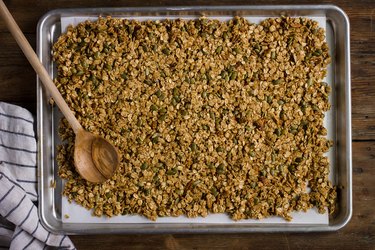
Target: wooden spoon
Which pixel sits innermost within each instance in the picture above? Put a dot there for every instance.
(95, 158)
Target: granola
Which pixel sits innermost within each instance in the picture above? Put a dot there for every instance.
(209, 116)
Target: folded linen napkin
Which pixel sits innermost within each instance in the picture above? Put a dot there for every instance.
(20, 227)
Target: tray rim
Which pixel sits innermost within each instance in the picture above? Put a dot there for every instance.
(173, 228)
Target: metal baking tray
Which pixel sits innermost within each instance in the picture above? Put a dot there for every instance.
(337, 28)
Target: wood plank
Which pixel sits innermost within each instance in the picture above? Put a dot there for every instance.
(363, 73)
(11, 54)
(363, 110)
(358, 234)
(17, 78)
(17, 84)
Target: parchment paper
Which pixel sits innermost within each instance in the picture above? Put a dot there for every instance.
(78, 214)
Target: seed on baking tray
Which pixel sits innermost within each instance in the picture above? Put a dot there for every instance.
(144, 166)
(172, 171)
(166, 51)
(220, 169)
(153, 107)
(277, 81)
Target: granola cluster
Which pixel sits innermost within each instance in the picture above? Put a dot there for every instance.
(209, 116)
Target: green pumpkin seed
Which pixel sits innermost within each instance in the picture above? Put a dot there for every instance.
(220, 169)
(144, 166)
(153, 107)
(278, 131)
(124, 76)
(277, 81)
(155, 139)
(163, 110)
(162, 117)
(233, 75)
(214, 191)
(172, 171)
(194, 147)
(317, 52)
(108, 67)
(147, 192)
(166, 51)
(219, 149)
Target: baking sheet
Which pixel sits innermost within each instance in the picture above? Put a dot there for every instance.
(77, 214)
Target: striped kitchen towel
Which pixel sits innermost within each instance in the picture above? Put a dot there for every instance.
(20, 227)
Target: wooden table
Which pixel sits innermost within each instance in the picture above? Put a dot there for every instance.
(17, 85)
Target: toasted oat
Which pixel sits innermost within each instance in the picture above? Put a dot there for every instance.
(209, 116)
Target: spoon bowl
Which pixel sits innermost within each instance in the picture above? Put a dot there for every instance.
(95, 159)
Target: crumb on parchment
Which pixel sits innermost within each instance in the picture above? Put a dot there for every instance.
(52, 184)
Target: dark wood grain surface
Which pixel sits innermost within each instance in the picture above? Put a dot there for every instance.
(17, 85)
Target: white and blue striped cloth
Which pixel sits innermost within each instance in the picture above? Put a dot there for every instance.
(20, 227)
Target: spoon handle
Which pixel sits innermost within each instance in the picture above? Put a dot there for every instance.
(38, 67)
